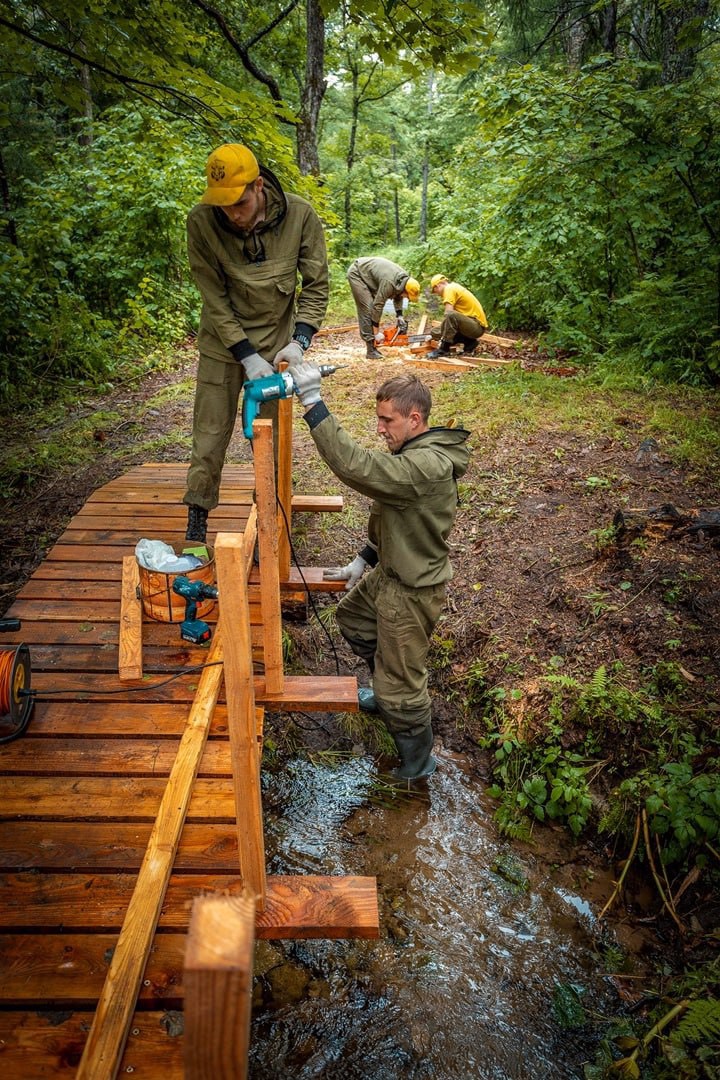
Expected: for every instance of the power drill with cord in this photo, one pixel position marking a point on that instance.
(256, 391)
(191, 628)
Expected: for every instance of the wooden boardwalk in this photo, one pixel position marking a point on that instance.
(80, 791)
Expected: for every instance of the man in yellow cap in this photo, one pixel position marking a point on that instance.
(463, 317)
(248, 242)
(373, 281)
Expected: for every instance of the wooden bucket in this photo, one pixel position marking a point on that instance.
(161, 603)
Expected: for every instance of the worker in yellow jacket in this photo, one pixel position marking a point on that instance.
(463, 316)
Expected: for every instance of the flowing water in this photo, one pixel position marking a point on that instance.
(478, 953)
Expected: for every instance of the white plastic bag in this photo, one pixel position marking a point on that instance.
(157, 555)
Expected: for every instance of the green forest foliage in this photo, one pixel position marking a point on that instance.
(565, 169)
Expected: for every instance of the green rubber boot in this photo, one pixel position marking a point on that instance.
(416, 760)
(366, 699)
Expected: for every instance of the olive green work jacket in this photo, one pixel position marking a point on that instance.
(414, 492)
(248, 281)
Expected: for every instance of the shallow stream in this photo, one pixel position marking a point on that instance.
(482, 957)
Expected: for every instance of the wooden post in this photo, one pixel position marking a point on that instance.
(268, 548)
(284, 485)
(240, 695)
(217, 981)
(113, 1016)
(130, 644)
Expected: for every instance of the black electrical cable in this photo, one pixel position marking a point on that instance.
(36, 696)
(310, 597)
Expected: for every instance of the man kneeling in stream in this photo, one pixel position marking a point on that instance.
(388, 614)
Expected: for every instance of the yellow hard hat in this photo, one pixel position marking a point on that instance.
(436, 279)
(229, 170)
(412, 288)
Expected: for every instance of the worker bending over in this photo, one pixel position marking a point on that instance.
(463, 317)
(373, 281)
(388, 616)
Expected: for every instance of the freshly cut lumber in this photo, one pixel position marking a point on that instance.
(335, 330)
(447, 364)
(328, 907)
(131, 615)
(218, 987)
(316, 504)
(505, 343)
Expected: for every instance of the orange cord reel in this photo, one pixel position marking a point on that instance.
(15, 700)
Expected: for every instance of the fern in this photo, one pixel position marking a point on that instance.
(599, 682)
(700, 1024)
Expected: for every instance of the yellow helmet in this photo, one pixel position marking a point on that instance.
(436, 279)
(412, 288)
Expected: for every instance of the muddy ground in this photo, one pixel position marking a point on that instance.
(535, 575)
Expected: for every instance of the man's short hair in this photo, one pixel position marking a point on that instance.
(407, 393)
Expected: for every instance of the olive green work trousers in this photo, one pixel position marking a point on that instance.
(389, 624)
(217, 395)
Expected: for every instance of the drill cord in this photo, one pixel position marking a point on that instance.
(40, 696)
(310, 596)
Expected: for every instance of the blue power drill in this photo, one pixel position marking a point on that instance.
(192, 628)
(256, 391)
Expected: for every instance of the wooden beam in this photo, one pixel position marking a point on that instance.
(130, 642)
(268, 550)
(443, 365)
(505, 343)
(319, 907)
(239, 691)
(317, 504)
(218, 986)
(284, 484)
(422, 324)
(336, 330)
(111, 1023)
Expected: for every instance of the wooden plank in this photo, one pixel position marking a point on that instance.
(422, 324)
(218, 987)
(302, 907)
(122, 798)
(335, 330)
(239, 690)
(328, 907)
(268, 550)
(326, 693)
(56, 970)
(118, 720)
(317, 504)
(111, 1023)
(442, 365)
(130, 644)
(505, 343)
(117, 846)
(48, 1045)
(99, 757)
(144, 520)
(284, 485)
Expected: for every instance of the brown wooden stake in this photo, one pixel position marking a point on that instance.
(218, 987)
(422, 324)
(284, 484)
(268, 549)
(113, 1016)
(130, 643)
(240, 695)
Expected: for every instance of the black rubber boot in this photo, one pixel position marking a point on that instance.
(469, 346)
(372, 353)
(443, 349)
(197, 524)
(416, 760)
(366, 699)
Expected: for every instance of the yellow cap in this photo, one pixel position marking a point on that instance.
(436, 279)
(229, 170)
(412, 288)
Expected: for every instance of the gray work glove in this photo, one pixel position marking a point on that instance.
(291, 354)
(350, 573)
(306, 378)
(402, 324)
(255, 367)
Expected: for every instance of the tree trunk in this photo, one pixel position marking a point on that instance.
(10, 230)
(426, 166)
(679, 43)
(86, 135)
(396, 201)
(350, 162)
(313, 91)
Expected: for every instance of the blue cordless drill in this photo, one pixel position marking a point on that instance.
(192, 628)
(278, 386)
